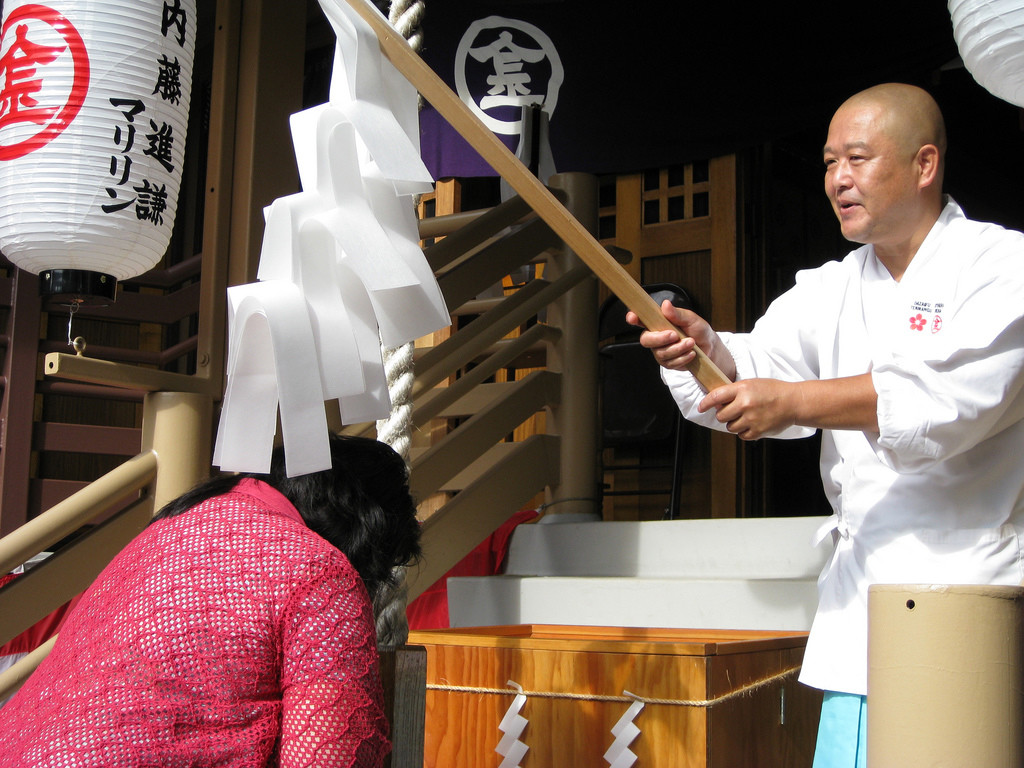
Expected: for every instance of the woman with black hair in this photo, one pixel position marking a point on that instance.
(236, 630)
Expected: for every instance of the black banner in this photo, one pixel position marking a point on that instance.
(629, 86)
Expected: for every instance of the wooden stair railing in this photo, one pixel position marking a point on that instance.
(475, 463)
(479, 508)
(175, 444)
(517, 402)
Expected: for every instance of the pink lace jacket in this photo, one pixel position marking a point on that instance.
(230, 635)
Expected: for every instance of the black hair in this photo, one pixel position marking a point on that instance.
(361, 505)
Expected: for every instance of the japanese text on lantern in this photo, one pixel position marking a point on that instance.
(150, 200)
(148, 196)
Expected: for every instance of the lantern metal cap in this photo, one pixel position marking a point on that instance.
(77, 286)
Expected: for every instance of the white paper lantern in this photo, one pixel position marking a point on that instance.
(93, 121)
(990, 37)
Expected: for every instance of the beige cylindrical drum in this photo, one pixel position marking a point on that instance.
(945, 676)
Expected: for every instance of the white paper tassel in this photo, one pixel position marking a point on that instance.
(347, 249)
(512, 725)
(619, 755)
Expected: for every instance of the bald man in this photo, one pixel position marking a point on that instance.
(909, 356)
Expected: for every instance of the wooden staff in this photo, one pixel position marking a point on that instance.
(528, 186)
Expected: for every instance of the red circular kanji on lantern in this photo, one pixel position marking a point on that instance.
(23, 68)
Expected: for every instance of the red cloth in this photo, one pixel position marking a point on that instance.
(230, 635)
(38, 633)
(430, 609)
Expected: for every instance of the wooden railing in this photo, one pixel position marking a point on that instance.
(176, 430)
(545, 331)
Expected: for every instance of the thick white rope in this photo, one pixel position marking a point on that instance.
(406, 16)
(396, 430)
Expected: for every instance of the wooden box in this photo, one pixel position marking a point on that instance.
(720, 698)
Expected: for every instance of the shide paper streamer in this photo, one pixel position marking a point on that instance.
(619, 755)
(340, 271)
(511, 748)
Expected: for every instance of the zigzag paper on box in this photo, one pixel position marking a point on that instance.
(619, 755)
(341, 271)
(511, 748)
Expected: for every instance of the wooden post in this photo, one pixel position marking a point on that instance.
(574, 357)
(403, 673)
(177, 427)
(945, 675)
(17, 401)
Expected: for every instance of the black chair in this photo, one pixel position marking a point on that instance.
(636, 407)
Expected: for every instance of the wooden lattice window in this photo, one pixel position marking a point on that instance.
(676, 193)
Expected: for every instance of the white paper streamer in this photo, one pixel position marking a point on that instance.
(346, 209)
(512, 725)
(373, 403)
(619, 755)
(270, 338)
(402, 309)
(340, 272)
(340, 338)
(363, 83)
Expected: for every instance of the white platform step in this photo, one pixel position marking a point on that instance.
(748, 548)
(697, 574)
(632, 602)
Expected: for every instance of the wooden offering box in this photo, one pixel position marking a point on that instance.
(715, 698)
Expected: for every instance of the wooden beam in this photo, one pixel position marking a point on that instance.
(93, 371)
(478, 510)
(528, 186)
(518, 401)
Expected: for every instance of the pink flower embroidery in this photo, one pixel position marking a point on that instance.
(917, 322)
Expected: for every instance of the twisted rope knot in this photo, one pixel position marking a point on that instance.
(406, 16)
(398, 371)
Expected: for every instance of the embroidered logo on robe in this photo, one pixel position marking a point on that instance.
(926, 314)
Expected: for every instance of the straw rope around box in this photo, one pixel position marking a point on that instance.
(513, 745)
(743, 690)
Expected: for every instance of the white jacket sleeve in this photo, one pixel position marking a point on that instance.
(781, 346)
(935, 408)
